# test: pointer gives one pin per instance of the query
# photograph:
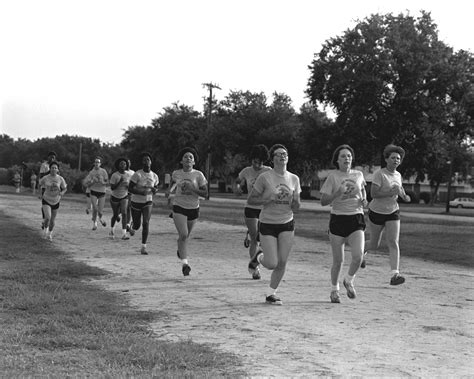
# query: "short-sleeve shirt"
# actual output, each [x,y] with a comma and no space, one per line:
[53,186]
[345,204]
[187,200]
[385,180]
[285,186]
[121,190]
[44,169]
[142,180]
[250,175]
[98,179]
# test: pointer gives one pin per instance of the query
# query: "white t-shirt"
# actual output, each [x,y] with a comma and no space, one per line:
[53,186]
[250,175]
[350,202]
[142,180]
[97,179]
[385,180]
[187,200]
[285,186]
[122,190]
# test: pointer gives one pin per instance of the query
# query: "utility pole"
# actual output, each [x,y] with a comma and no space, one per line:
[80,156]
[209,86]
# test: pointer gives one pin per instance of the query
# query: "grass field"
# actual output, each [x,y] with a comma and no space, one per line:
[54,324]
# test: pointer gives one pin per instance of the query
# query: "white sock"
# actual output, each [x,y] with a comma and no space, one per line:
[184,261]
[272,291]
[124,232]
[394,272]
[350,278]
[335,287]
[144,245]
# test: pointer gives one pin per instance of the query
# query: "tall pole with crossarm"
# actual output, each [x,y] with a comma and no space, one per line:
[210,87]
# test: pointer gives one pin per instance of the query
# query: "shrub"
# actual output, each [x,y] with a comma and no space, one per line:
[425,197]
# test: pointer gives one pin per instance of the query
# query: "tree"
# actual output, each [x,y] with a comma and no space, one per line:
[390,80]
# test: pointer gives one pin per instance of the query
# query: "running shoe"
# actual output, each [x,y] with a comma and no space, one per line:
[351,292]
[397,279]
[111,235]
[42,225]
[256,274]
[102,222]
[125,237]
[143,251]
[247,240]
[186,269]
[335,298]
[273,300]
[94,225]
[131,231]
[363,263]
[87,210]
[118,218]
[253,264]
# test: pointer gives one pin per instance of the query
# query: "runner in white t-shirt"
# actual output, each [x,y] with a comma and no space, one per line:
[248,175]
[44,170]
[384,213]
[278,191]
[344,189]
[189,184]
[143,185]
[97,181]
[54,187]
[119,182]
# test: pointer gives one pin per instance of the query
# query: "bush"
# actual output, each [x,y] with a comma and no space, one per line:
[4,176]
[425,197]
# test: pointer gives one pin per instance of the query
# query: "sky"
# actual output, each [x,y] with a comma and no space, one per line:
[93,68]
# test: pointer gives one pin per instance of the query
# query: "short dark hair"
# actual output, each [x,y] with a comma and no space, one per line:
[391,148]
[53,163]
[335,155]
[145,154]
[52,153]
[121,159]
[271,151]
[259,152]
[188,149]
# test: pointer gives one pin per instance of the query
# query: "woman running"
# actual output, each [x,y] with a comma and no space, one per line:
[189,184]
[97,180]
[143,185]
[384,212]
[54,188]
[278,191]
[119,182]
[344,189]
[258,156]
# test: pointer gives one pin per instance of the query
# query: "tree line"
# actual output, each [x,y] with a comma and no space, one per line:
[389,79]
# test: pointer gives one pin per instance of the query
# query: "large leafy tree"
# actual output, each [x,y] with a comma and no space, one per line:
[390,80]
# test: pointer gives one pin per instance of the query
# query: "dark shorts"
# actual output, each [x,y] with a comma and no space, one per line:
[97,194]
[252,212]
[191,214]
[275,229]
[140,206]
[381,219]
[114,199]
[53,207]
[345,225]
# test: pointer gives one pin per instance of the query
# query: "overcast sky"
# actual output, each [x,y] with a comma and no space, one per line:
[95,67]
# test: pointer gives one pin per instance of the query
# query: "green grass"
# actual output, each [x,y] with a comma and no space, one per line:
[55,324]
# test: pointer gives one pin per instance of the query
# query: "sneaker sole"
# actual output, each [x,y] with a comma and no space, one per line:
[186,270]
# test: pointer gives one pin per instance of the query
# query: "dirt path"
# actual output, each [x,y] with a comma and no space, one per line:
[423,328]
